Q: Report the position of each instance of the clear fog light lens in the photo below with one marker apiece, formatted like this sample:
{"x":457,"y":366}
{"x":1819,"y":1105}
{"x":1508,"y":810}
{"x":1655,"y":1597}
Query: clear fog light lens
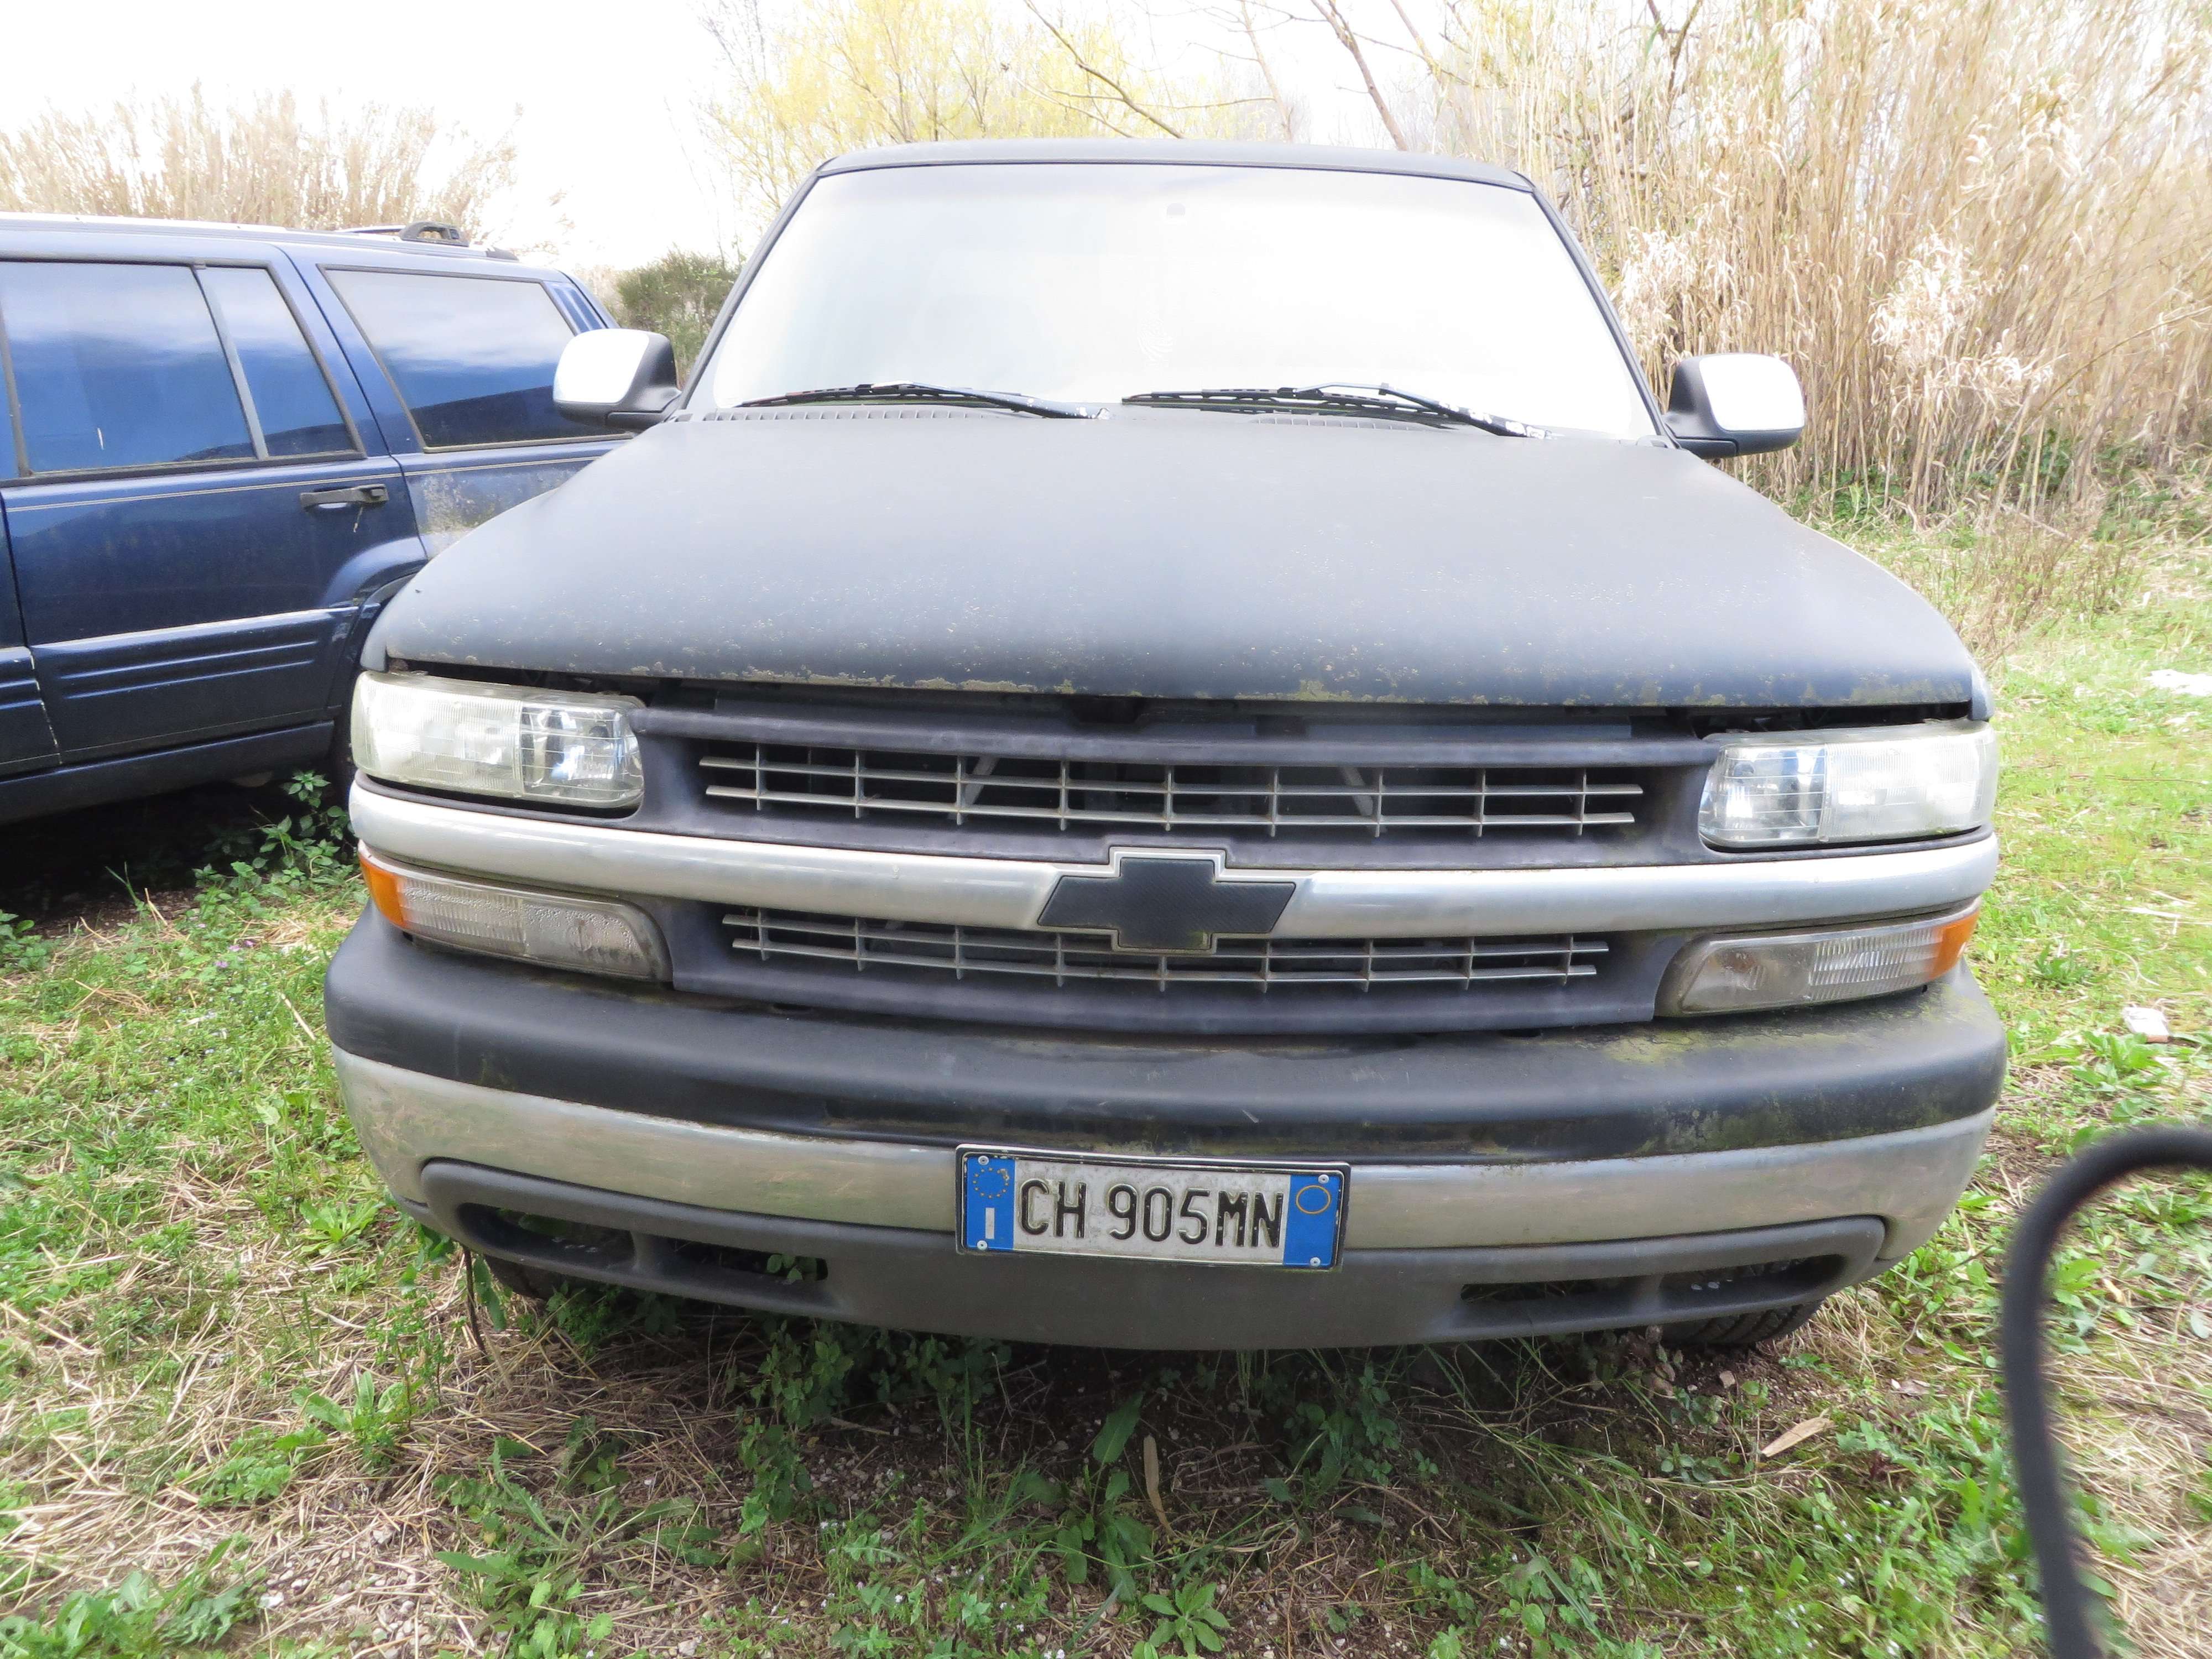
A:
{"x":1811,"y":788}
{"x":599,"y":936}
{"x":497,"y":740}
{"x":1728,"y":976}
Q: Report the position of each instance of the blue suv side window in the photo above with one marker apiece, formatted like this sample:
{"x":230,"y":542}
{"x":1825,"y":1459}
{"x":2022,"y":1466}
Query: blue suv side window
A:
{"x":117,"y":365}
{"x":291,"y":398}
{"x":473,"y":356}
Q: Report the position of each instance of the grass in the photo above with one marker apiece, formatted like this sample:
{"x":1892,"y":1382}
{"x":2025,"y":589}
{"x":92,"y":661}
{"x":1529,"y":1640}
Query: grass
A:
{"x":242,"y":1411}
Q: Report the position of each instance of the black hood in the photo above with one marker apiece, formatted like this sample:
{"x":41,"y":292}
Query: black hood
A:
{"x":1176,"y":553}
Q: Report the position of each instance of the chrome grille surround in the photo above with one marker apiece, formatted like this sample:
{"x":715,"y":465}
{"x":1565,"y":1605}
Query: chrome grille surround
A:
{"x":1165,"y":798}
{"x":971,"y":905}
{"x":1259,"y":964}
{"x":539,"y":849}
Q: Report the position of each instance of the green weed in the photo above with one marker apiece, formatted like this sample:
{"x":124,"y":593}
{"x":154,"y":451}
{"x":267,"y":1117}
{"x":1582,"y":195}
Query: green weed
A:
{"x":539,"y":1541}
{"x":373,"y":1417}
{"x":258,"y":1466}
{"x":1189,"y":1622}
{"x":137,"y":1618}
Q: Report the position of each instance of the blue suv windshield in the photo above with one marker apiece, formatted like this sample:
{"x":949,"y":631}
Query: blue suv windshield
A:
{"x":1090,"y":282}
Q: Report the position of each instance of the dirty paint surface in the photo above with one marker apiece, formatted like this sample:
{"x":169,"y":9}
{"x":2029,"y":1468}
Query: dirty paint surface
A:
{"x":1617,"y":1091}
{"x":1179,"y":554}
{"x":451,"y":497}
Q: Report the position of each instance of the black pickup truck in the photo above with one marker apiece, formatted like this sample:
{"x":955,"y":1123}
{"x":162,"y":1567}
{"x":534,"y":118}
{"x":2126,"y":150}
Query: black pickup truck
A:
{"x":1166,"y":747}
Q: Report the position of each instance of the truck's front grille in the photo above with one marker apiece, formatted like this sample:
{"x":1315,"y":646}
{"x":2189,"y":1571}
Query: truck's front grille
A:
{"x":1062,"y":958}
{"x":975,"y":782}
{"x":1143,"y":796}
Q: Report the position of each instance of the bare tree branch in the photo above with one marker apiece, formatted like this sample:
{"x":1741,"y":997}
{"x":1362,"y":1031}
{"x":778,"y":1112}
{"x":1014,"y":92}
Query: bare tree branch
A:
{"x":1266,"y":71}
{"x":1327,"y":11}
{"x":1420,"y":44}
{"x":1121,"y":93}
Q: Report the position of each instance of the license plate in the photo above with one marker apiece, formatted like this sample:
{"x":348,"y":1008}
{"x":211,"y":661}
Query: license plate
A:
{"x":1163,"y":1210}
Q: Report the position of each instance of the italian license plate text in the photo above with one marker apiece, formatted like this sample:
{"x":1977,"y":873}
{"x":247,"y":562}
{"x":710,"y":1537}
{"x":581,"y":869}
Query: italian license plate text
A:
{"x":1162,"y":1212}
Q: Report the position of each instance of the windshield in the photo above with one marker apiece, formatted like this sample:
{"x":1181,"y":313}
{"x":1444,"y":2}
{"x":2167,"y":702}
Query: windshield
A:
{"x":1092,"y":282}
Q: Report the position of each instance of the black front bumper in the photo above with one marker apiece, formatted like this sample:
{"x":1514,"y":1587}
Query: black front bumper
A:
{"x":1681,"y":1086}
{"x":433,"y":1041}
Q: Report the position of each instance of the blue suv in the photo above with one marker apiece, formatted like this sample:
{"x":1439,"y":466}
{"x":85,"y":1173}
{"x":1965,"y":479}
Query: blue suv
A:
{"x":221,"y":448}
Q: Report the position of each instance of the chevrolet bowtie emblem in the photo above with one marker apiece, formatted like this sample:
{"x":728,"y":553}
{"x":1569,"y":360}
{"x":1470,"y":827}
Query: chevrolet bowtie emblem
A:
{"x":1164,"y":902}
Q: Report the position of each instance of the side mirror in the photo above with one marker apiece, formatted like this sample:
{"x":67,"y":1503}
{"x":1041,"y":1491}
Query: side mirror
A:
{"x":623,"y":377}
{"x":1734,"y":403}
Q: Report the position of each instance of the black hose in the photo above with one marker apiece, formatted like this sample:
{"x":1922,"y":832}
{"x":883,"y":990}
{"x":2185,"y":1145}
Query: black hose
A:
{"x":2027,"y":1390}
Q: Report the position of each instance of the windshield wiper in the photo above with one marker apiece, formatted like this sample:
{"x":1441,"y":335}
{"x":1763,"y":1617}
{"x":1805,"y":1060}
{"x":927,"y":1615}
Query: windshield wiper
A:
{"x":1386,"y":400}
{"x":921,"y":391}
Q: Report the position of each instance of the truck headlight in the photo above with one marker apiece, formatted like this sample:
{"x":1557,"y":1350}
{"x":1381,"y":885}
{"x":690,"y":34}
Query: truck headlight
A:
{"x":475,"y":740}
{"x":559,"y":930}
{"x":1830,"y":965}
{"x":1808,"y":789}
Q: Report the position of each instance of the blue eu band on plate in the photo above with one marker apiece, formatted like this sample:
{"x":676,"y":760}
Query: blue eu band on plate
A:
{"x":1162,"y":1210}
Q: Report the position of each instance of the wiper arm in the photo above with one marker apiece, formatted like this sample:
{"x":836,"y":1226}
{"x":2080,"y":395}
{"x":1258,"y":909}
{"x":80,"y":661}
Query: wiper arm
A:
{"x":1503,"y":426}
{"x":1368,"y":399}
{"x":921,"y":391}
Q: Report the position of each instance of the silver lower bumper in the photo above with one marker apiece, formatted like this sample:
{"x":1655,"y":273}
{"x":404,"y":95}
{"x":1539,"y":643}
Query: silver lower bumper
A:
{"x":1910,"y":1179}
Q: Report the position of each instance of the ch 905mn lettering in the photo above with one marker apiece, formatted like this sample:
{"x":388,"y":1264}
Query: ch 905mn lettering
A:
{"x":1218,"y":1213}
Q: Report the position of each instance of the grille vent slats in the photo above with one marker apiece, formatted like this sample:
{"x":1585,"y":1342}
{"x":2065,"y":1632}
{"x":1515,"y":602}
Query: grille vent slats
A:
{"x":1064,"y":958}
{"x":1065,"y":793}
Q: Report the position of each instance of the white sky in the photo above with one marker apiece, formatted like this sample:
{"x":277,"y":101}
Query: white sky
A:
{"x":605,"y":91}
{"x":599,"y":97}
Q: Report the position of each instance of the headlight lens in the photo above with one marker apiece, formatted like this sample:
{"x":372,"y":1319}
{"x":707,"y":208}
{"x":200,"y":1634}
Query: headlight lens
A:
{"x":497,"y":740}
{"x":1808,"y":789}
{"x":598,"y":936}
{"x":1834,"y":965}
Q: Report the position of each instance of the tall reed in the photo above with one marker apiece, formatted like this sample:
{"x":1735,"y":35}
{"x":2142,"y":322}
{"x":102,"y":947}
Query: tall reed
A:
{"x":262,"y":161}
{"x":1981,"y":229}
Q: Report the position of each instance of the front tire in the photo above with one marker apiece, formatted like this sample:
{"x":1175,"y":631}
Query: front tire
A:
{"x":525,"y":1280}
{"x":1741,"y":1330}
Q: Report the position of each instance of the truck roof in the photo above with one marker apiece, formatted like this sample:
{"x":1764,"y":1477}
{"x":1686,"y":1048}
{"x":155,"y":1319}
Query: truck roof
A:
{"x":1177,"y":152}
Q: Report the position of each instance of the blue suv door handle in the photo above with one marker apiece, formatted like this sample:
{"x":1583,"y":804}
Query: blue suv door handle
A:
{"x":374,"y":494}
